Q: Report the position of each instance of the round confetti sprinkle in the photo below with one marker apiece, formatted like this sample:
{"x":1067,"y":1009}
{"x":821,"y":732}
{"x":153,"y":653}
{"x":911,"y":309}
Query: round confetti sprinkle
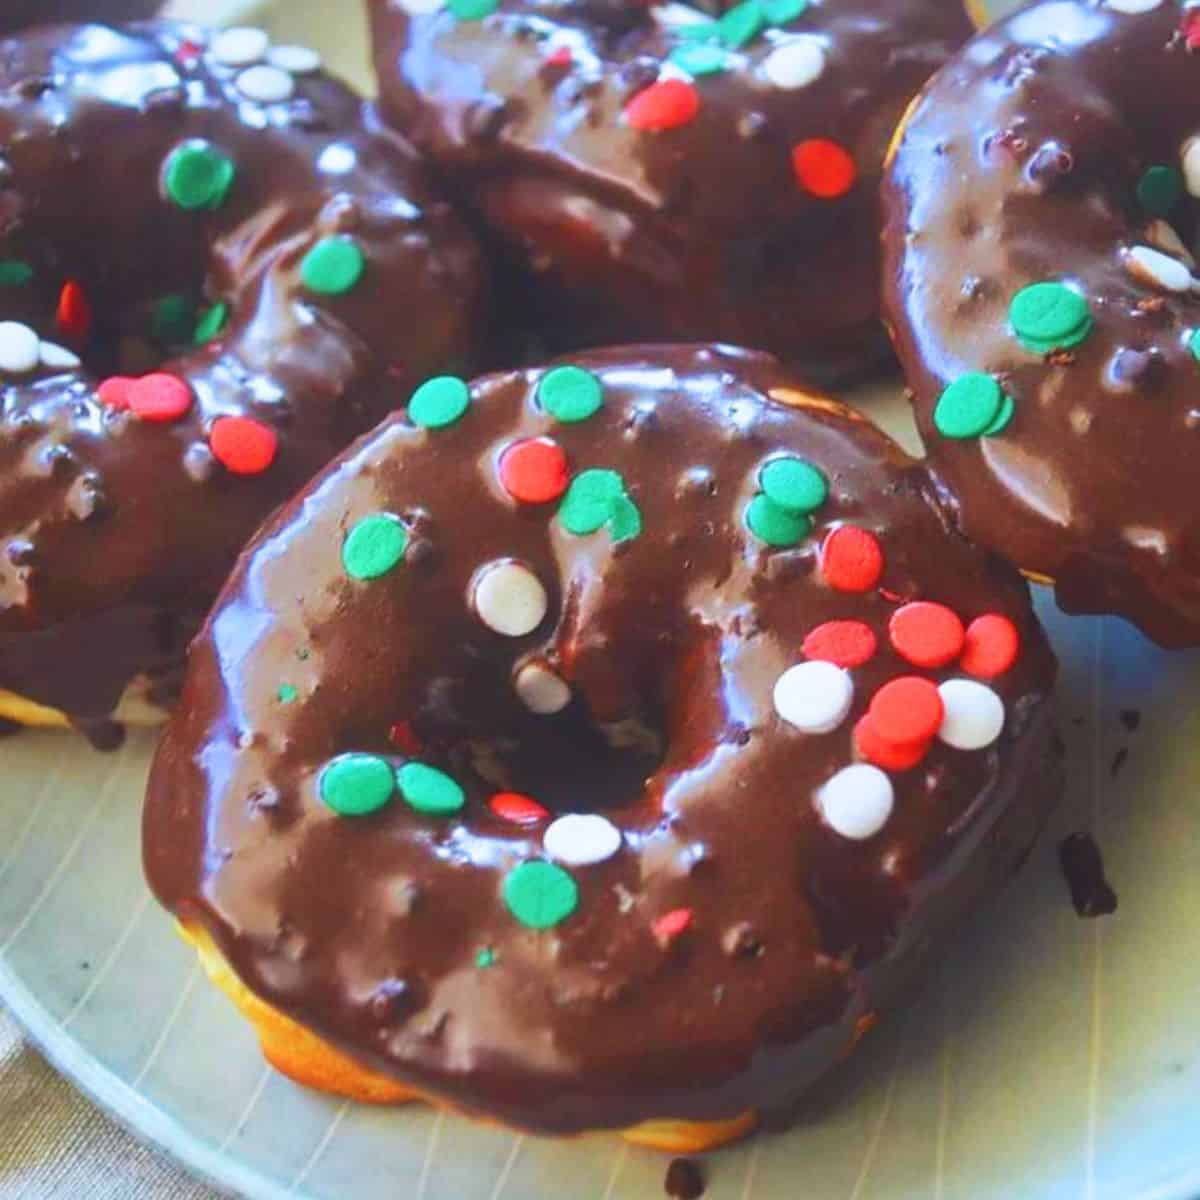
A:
{"x":906,"y":711}
{"x":1158,"y":269}
{"x":518,"y":809}
{"x":439,"y":402}
{"x":625,"y":520}
{"x":664,"y":105}
{"x":813,"y":696}
{"x":698,"y":59}
{"x":1194,"y":345}
{"x":1159,"y":190}
{"x":891,"y":756}
{"x":974,"y":715}
{"x":672,"y":925}
{"x":356,"y":784}
{"x":794,"y":484}
{"x":287,"y":694}
{"x":374,"y":546}
{"x":1004,"y":417}
{"x":239,"y":46}
{"x":473,"y":10}
{"x":296,"y":60}
{"x":509,"y":598}
{"x":570,"y":394}
{"x":851,"y":559}
{"x":242,"y":445}
{"x":534,"y":470}
{"x":485,"y":958}
{"x":990,"y":647}
{"x":823,"y":168}
{"x":1132,"y":7}
{"x":581,"y":839}
{"x":741,"y":24}
{"x":73,"y":316}
{"x":114,"y":392}
{"x":159,"y":397}
{"x":775,"y":525}
{"x":588,"y":503}
{"x":968,"y":406}
{"x":211,"y":324}
{"x":857,"y":801}
{"x":795,"y":63}
{"x":57,"y":357}
{"x":198,"y":176}
{"x":540,"y":894}
{"x":15,"y":273}
{"x":419,"y":8}
{"x":173,"y":320}
{"x":783,"y":12}
{"x":843,"y":643}
{"x":265,"y":84}
{"x":541,"y":690}
{"x":1050,"y":316}
{"x":926,"y":634}
{"x":429,"y":790}
{"x":20,"y":348}
{"x":333,"y":266}
{"x":1190,"y":163}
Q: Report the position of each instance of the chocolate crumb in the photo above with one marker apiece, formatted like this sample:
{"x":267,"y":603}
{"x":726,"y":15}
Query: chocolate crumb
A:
{"x":1083,"y":867}
{"x":685,"y":1179}
{"x":1119,"y":761}
{"x":1131,"y":718}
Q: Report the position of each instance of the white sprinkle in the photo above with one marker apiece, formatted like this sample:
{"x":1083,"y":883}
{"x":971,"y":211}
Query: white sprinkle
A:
{"x":857,"y":801}
{"x":795,"y":64}
{"x":1132,"y":6}
{"x":1190,"y":164}
{"x":54,"y":355}
{"x":298,"y":60}
{"x":814,"y":696}
{"x":581,"y":839}
{"x":239,"y":46}
{"x":541,"y":690}
{"x":1162,"y":236}
{"x":421,"y":8}
{"x":19,"y":348}
{"x":1158,"y":269}
{"x":974,"y":714}
{"x":509,"y":598}
{"x":266,"y":85}
{"x":680,"y":14}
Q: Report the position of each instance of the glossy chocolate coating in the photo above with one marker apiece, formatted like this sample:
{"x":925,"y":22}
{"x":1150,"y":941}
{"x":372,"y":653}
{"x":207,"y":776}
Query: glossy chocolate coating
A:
{"x":1022,"y":164}
{"x":700,"y":232}
{"x":115,"y":533}
{"x":797,"y":932}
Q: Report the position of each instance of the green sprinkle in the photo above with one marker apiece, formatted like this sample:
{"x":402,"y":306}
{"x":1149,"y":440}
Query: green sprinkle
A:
{"x":14,"y":272}
{"x":570,"y":394}
{"x":333,"y":266}
{"x":794,"y":484}
{"x":742,"y":23}
{"x":540,"y":894}
{"x":624,"y":520}
{"x":968,"y":406}
{"x":589,"y":501}
{"x":173,"y":320}
{"x":374,"y":546}
{"x":439,"y":402}
{"x":1050,"y":316}
{"x":782,"y":12}
{"x":699,"y":58}
{"x":212,"y":322}
{"x":429,"y":790}
{"x":696,"y":31}
{"x":1159,"y":190}
{"x":356,"y":784}
{"x":288,"y":694}
{"x":1194,"y":345}
{"x":473,"y":10}
{"x":485,"y":958}
{"x":774,"y":525}
{"x":1003,"y":418}
{"x":198,"y":176}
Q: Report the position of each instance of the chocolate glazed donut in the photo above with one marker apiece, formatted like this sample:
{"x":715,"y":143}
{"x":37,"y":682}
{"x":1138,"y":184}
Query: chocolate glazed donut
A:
{"x":599,"y":746}
{"x":16,"y":14}
{"x":656,"y":174}
{"x":222,"y":206}
{"x":1040,"y":213}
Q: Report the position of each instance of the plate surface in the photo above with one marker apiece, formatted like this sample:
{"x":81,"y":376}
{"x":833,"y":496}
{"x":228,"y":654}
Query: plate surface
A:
{"x":1048,"y":1057}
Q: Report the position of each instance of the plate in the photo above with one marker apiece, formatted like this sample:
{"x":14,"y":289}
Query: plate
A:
{"x":1048,"y":1056}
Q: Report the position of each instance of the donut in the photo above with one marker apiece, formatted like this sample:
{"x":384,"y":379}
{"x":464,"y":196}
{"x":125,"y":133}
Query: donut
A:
{"x":599,"y":746}
{"x":16,"y":14}
{"x":1042,"y":298}
{"x":653,"y":173}
{"x":257,"y":276}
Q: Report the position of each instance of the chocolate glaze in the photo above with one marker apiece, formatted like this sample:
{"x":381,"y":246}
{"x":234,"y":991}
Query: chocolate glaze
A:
{"x":1093,"y":484}
{"x":15,"y":14}
{"x":115,"y":534}
{"x":700,"y":232}
{"x":367,"y":930}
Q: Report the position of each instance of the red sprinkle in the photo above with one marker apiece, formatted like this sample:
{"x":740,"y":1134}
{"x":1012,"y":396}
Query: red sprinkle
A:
{"x":823,"y":168}
{"x":114,"y":392}
{"x":843,"y":643}
{"x":851,"y":559}
{"x":891,"y":756}
{"x":560,"y":57}
{"x":926,"y":634}
{"x":672,"y":925}
{"x":402,"y":736}
{"x":907,"y":710}
{"x":188,"y":52}
{"x":534,"y":470}
{"x":74,"y":314}
{"x":242,"y":445}
{"x":159,"y":397}
{"x":666,"y":104}
{"x":520,"y":810}
{"x":991,"y":646}
{"x":1190,"y":28}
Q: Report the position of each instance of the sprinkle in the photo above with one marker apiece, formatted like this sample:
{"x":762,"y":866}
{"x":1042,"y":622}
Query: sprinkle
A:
{"x":795,"y":64}
{"x":926,"y":634}
{"x":581,"y":839}
{"x":1194,"y":345}
{"x":595,"y":498}
{"x":906,"y":711}
{"x":1004,"y":417}
{"x":211,"y":323}
{"x":540,"y":894}
{"x":439,"y":402}
{"x":429,"y":790}
{"x":509,"y":598}
{"x":20,"y":348}
{"x":374,"y":546}
{"x":1158,"y":269}
{"x":518,"y":809}
{"x":242,"y":445}
{"x":114,"y":392}
{"x":851,"y":559}
{"x":1133,"y":7}
{"x":73,"y":316}
{"x":625,"y":520}
{"x":14,"y":272}
{"x":857,"y":801}
{"x":814,"y":696}
{"x":783,"y":12}
{"x":794,"y":484}
{"x":239,"y":46}
{"x":354,"y":785}
{"x":485,"y":958}
{"x":776,"y":526}
{"x":671,"y":926}
{"x":1159,"y":190}
{"x":974,"y":714}
{"x":699,"y":59}
{"x":333,"y":266}
{"x":541,"y":690}
{"x":534,"y":470}
{"x":57,"y":357}
{"x":990,"y":647}
{"x":173,"y":320}
{"x":1190,"y":164}
{"x":823,"y":168}
{"x":560,"y":56}
{"x":422,"y":8}
{"x":159,"y":397}
{"x":473,"y":10}
{"x":968,"y":407}
{"x":297,"y":60}
{"x":402,"y":736}
{"x":1050,"y":316}
{"x":664,"y":105}
{"x":287,"y":694}
{"x":570,"y":394}
{"x":891,"y":756}
{"x":742,"y":24}
{"x":198,"y":176}
{"x":265,"y":85}
{"x":843,"y":643}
